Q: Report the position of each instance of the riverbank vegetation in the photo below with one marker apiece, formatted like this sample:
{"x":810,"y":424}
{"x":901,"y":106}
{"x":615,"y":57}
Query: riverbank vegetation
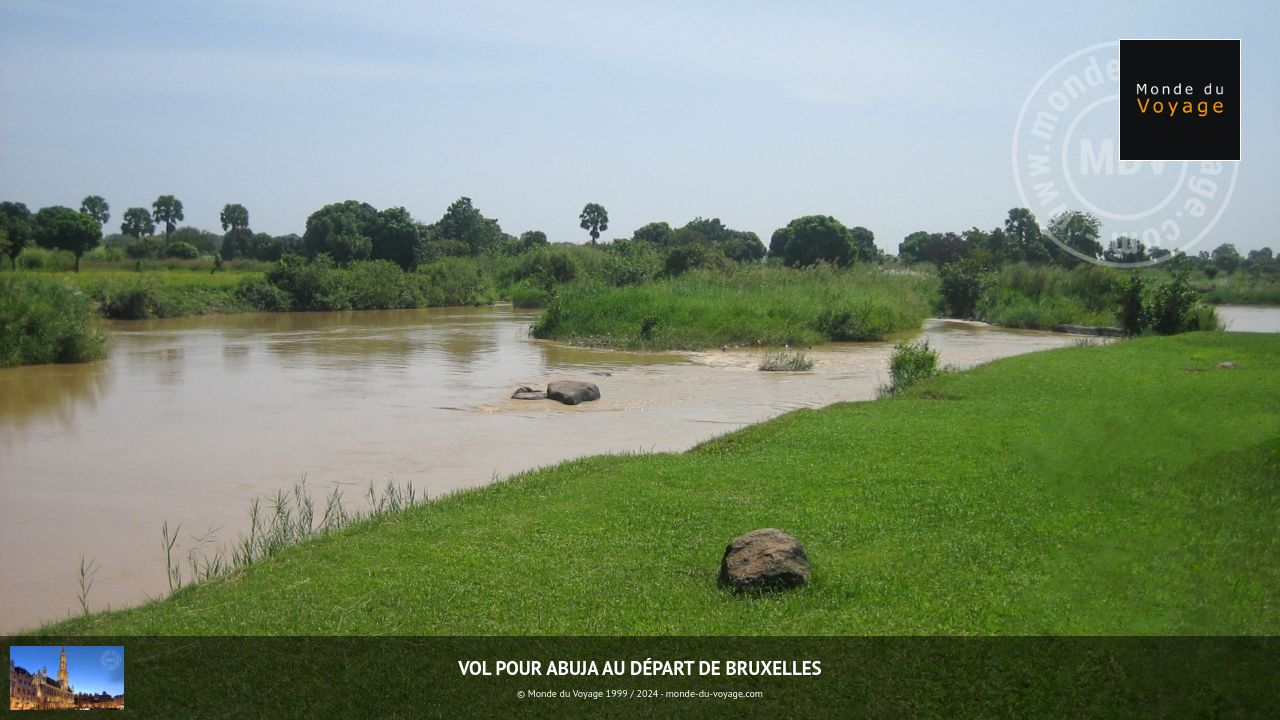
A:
{"x":46,"y":322}
{"x":695,"y":285}
{"x":1136,"y":498}
{"x":756,"y":306}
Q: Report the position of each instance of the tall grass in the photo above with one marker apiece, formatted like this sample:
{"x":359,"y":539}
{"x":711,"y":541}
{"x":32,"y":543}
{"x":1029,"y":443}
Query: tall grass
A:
{"x":749,"y":305}
{"x":44,"y":320}
{"x":786,"y":361}
{"x":1043,"y":296}
{"x":1244,"y":289}
{"x":281,"y":521}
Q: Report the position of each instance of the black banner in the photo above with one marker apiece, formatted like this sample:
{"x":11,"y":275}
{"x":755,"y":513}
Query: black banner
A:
{"x":694,"y":677}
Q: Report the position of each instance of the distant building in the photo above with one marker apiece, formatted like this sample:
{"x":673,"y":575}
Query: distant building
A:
{"x":99,"y":702}
{"x":38,"y":691}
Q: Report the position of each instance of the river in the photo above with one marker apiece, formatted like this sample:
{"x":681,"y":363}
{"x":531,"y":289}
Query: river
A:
{"x":188,"y":420}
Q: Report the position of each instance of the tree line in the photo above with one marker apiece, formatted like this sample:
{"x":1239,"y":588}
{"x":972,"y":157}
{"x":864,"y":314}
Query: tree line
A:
{"x":352,"y":230}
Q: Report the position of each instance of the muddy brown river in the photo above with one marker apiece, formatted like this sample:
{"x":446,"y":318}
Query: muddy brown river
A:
{"x":189,"y":420}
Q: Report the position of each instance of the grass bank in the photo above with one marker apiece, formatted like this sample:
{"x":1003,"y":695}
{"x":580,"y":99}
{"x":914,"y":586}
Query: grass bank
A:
{"x":750,"y":305}
{"x":1126,"y":489}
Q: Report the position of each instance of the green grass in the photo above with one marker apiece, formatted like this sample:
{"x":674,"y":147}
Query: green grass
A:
{"x":1124,"y":489}
{"x":750,"y":305}
{"x":162,"y":293}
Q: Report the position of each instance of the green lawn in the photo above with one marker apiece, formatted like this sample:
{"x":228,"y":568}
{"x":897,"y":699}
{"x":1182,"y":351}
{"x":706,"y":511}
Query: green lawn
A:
{"x":1128,"y":489}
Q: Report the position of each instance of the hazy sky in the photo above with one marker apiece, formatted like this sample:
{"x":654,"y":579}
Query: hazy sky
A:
{"x":895,"y":116}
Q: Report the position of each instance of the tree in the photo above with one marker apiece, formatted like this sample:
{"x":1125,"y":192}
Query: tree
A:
{"x":167,"y":209}
{"x":1023,"y":239}
{"x":235,"y":223}
{"x":1261,"y":255}
{"x":65,"y":229}
{"x":396,"y":237}
{"x":657,"y":234}
{"x":738,"y":245}
{"x":937,"y":248}
{"x":864,"y":244}
{"x":1125,"y":249}
{"x":530,"y":239}
{"x":809,"y":239}
{"x":594,"y":219}
{"x":137,"y":223}
{"x":97,"y":208}
{"x":464,"y":223}
{"x":1078,"y":231}
{"x":341,"y":231}
{"x":16,"y":231}
{"x":1227,"y":258}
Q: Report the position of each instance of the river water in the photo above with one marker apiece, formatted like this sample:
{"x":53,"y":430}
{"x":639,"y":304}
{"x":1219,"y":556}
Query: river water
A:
{"x":189,"y":420}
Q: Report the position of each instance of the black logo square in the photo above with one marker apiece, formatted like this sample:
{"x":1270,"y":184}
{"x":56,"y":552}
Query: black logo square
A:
{"x":1179,"y":100}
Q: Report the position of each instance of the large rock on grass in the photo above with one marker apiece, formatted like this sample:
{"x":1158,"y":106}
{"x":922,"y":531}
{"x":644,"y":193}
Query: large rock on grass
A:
{"x":766,"y":559}
{"x":572,"y":392}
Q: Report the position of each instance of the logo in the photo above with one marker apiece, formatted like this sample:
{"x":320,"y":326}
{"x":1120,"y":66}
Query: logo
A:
{"x":1066,"y":158}
{"x":110,"y":659}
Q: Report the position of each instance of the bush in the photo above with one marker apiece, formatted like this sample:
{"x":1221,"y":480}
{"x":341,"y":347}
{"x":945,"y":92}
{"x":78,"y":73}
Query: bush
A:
{"x":38,"y":258}
{"x":1133,"y":316}
{"x":456,"y":281}
{"x":310,"y":284}
{"x":179,"y":249}
{"x":135,"y":298}
{"x":911,"y":363}
{"x":963,"y":284}
{"x":256,"y":293}
{"x":529,"y":294}
{"x":1174,"y":306}
{"x":46,"y":321}
{"x":381,"y":284}
{"x":147,"y":248}
{"x":867,"y":320}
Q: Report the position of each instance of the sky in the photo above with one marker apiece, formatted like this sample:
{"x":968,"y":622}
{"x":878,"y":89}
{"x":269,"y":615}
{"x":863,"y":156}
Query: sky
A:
{"x":88,"y":670}
{"x":895,"y":116}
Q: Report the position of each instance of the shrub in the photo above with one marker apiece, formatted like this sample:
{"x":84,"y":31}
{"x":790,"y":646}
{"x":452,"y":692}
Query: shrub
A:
{"x":456,"y":281}
{"x":381,"y":284}
{"x":255,"y":293}
{"x":911,"y":363}
{"x":38,"y":258}
{"x":179,"y":249}
{"x":1172,"y":308}
{"x":46,"y":321}
{"x":135,"y":298}
{"x":529,"y":294}
{"x":963,"y":284}
{"x":310,"y":284}
{"x":1133,"y":316}
{"x":867,"y":320}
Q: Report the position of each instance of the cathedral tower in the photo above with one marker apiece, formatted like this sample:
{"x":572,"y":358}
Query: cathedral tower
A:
{"x":62,"y":671}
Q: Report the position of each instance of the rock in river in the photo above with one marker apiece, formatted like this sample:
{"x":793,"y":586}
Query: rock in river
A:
{"x":572,"y":392}
{"x":528,"y":393}
{"x":766,"y":559}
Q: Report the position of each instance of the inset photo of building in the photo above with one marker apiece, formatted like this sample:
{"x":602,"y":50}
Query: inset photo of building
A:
{"x":88,"y":677}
